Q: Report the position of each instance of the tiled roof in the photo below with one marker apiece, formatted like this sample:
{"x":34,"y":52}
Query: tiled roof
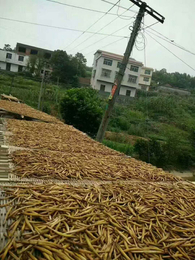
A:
{"x":117,"y":57}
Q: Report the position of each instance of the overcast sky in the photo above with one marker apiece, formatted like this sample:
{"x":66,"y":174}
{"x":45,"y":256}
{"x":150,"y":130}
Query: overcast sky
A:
{"x":179,"y":26}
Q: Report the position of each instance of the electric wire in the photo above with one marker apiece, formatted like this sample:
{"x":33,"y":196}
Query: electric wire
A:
{"x":55,"y":27}
{"x":107,"y":36}
{"x":172,"y":43}
{"x":127,"y":9}
{"x":121,"y":15}
{"x":171,"y":52}
{"x":107,"y":45}
{"x":80,"y":7}
{"x":118,"y":5}
{"x":92,"y":25}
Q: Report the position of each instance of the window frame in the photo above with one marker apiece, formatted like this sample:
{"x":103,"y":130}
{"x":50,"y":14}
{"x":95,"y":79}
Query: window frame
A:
{"x":132,"y":81}
{"x":103,"y":75}
{"x":144,"y":79}
{"x":23,"y":49}
{"x":104,"y":86}
{"x":107,"y":61}
{"x":20,"y":66}
{"x":128,"y":91}
{"x":20,"y":57}
{"x":8,"y":65}
{"x":134,"y":66}
{"x":119,"y":64}
{"x":147,"y":73}
{"x":7,"y":55}
{"x":34,"y":52}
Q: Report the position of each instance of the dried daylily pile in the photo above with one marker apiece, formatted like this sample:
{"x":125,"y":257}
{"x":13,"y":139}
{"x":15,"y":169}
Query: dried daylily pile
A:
{"x":24,"y":110}
{"x":55,"y":137}
{"x":44,"y":164}
{"x":134,"y":221}
{"x":62,"y":152}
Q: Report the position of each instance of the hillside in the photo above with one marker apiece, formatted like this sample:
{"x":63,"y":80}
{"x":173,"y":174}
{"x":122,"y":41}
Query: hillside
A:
{"x":157,"y":128}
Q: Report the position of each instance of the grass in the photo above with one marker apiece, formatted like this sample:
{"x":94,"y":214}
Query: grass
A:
{"x":28,"y":91}
{"x":120,"y":147}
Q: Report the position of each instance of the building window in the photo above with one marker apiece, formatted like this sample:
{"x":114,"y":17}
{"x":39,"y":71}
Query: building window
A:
{"x":8,"y":66}
{"x":20,"y":68}
{"x":128,"y":93}
{"x":134,"y":68}
{"x":8,"y":56}
{"x":119,"y":65}
{"x":108,"y":62}
{"x":147,"y":72}
{"x":21,"y":58}
{"x":116,"y":74}
{"x":146,"y":79}
{"x":96,"y":62}
{"x":22,"y":49}
{"x":106,"y":73}
{"x":102,"y":87}
{"x":132,"y":79}
{"x":94,"y":72}
{"x":47,"y":55}
{"x":33,"y":52}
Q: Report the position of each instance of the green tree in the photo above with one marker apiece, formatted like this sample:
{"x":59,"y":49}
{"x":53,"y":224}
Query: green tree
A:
{"x":36,"y":63}
{"x":67,"y":67}
{"x":7,"y":47}
{"x":82,"y":109}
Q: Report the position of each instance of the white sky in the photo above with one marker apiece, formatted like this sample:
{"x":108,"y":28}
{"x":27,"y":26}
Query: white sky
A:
{"x":179,"y":25}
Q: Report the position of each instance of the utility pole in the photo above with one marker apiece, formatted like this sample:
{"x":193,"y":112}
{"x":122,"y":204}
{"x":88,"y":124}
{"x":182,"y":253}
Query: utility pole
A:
{"x":12,"y":83}
{"x":41,"y":89}
{"x":117,"y":84}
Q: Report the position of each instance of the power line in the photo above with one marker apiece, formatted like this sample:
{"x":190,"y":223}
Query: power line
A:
{"x":55,"y":27}
{"x":172,"y":43}
{"x":92,"y":25}
{"x":80,"y":7}
{"x":108,"y":45}
{"x":119,"y":6}
{"x":127,"y":9}
{"x":107,"y":36}
{"x":170,"y":51}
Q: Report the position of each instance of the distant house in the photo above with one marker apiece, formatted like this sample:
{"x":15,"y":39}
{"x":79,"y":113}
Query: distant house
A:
{"x":106,"y":67}
{"x":84,"y":82}
{"x":16,"y":61}
{"x":169,"y":89}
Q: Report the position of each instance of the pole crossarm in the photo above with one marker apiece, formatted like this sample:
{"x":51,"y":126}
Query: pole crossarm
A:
{"x":149,"y":10}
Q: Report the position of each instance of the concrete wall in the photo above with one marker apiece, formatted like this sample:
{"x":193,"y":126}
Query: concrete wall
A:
{"x":123,"y":90}
{"x":144,"y":75}
{"x":99,"y":79}
{"x":2,"y":65}
{"x":108,"y":88}
{"x":14,"y":58}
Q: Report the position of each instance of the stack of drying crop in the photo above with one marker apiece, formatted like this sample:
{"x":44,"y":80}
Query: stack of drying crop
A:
{"x":62,"y":152}
{"x":55,"y":137}
{"x":135,"y":221}
{"x":44,"y":164}
{"x":24,"y":110}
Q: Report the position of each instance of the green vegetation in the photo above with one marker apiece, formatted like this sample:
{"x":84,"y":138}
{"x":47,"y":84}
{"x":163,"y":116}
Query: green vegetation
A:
{"x":28,"y":91}
{"x":157,"y":128}
{"x":176,"y":79}
{"x":82,"y":109}
{"x":128,"y":149}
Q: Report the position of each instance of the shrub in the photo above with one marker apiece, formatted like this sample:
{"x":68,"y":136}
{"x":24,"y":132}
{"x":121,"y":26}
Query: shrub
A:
{"x":82,"y":109}
{"x":120,"y":147}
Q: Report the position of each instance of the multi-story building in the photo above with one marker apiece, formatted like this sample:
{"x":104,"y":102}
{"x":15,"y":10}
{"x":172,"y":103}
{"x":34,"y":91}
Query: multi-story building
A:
{"x":17,"y":60}
{"x":105,"y":68}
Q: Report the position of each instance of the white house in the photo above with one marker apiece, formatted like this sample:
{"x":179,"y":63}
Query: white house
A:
{"x":105,"y":68}
{"x":16,"y":61}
